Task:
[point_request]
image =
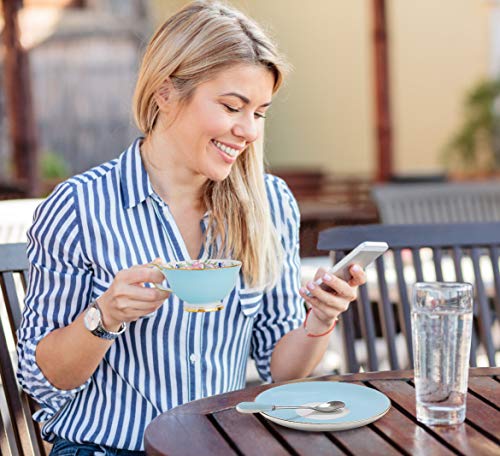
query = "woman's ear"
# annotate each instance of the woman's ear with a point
(164, 95)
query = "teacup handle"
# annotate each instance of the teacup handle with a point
(157, 285)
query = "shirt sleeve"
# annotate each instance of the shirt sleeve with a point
(58, 291)
(283, 309)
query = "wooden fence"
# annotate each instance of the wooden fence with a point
(82, 81)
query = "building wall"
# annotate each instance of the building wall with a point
(439, 49)
(324, 117)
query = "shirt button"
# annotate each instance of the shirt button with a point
(194, 358)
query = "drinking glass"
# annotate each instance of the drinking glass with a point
(442, 328)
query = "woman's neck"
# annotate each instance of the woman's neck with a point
(170, 178)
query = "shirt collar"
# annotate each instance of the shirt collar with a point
(135, 183)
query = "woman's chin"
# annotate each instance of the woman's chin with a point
(219, 175)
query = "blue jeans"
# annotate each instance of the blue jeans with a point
(65, 448)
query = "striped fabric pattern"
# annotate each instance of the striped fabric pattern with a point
(108, 219)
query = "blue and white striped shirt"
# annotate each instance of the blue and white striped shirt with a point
(92, 226)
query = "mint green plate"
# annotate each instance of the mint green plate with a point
(363, 405)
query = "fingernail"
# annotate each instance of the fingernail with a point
(327, 277)
(311, 285)
(356, 268)
(303, 290)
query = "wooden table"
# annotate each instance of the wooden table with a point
(211, 426)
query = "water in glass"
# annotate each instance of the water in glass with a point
(442, 324)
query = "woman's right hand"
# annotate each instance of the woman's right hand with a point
(127, 299)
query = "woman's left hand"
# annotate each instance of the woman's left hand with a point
(327, 305)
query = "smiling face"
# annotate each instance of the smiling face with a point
(223, 117)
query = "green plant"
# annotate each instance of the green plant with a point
(53, 166)
(474, 147)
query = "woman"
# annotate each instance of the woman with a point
(102, 353)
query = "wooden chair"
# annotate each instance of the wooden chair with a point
(19, 434)
(456, 250)
(16, 216)
(448, 202)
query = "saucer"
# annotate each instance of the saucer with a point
(363, 405)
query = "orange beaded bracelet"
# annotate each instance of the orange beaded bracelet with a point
(318, 335)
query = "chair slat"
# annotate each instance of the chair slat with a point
(348, 329)
(473, 346)
(4, 438)
(387, 315)
(24, 279)
(415, 235)
(417, 263)
(457, 263)
(14, 406)
(40, 447)
(24, 434)
(404, 303)
(368, 327)
(348, 332)
(437, 259)
(494, 256)
(484, 308)
(13, 257)
(9, 292)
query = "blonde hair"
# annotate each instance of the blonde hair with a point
(190, 48)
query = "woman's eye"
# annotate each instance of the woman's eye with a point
(230, 108)
(257, 115)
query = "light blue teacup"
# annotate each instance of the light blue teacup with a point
(202, 290)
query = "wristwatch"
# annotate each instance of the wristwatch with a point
(93, 322)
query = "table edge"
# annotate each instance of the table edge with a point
(198, 406)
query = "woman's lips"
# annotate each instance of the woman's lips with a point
(226, 157)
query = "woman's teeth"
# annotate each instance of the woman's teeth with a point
(228, 150)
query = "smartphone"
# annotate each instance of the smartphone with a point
(363, 254)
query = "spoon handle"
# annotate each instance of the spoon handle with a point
(256, 407)
(253, 407)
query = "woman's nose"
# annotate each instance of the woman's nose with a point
(247, 129)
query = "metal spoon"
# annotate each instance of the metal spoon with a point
(255, 407)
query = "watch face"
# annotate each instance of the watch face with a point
(92, 318)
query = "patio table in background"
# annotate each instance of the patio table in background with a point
(212, 425)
